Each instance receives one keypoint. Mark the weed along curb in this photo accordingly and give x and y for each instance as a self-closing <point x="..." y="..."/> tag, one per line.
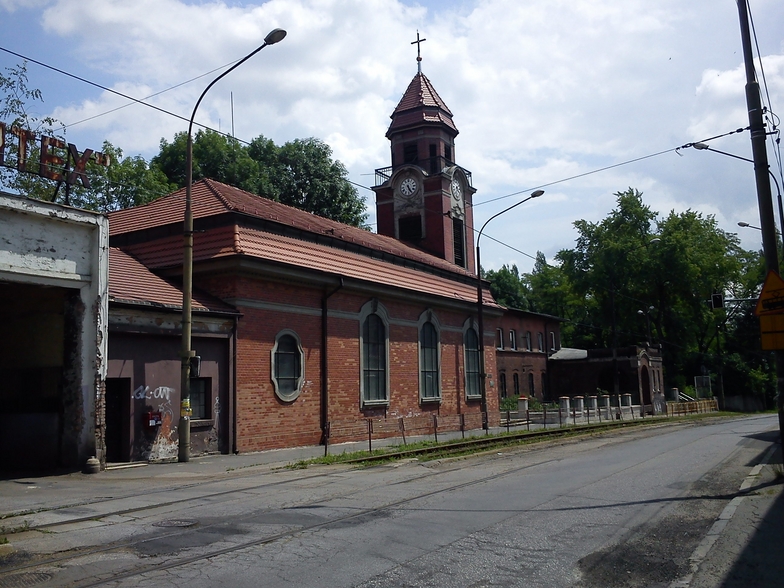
<point x="456" y="448"/>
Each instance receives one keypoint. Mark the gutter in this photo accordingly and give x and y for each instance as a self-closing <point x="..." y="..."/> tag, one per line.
<point x="325" y="367"/>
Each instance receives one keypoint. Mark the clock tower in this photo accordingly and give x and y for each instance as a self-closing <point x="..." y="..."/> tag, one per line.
<point x="424" y="198"/>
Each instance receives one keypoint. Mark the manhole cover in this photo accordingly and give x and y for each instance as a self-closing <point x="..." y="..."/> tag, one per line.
<point x="175" y="523"/>
<point x="26" y="579"/>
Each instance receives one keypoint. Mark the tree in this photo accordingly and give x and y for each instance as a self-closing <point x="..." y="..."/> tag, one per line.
<point x="125" y="182"/>
<point x="300" y="173"/>
<point x="507" y="287"/>
<point x="633" y="260"/>
<point x="18" y="105"/>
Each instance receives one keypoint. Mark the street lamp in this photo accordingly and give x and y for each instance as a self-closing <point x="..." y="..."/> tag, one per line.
<point x="706" y="147"/>
<point x="647" y="313"/>
<point x="480" y="308"/>
<point x="747" y="225"/>
<point x="186" y="353"/>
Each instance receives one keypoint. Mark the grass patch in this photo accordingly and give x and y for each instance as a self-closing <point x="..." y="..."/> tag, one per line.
<point x="4" y="541"/>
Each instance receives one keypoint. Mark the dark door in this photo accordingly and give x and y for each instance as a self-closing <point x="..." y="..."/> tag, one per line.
<point x="118" y="400"/>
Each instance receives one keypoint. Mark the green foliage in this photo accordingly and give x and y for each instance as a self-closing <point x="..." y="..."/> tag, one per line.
<point x="126" y="182"/>
<point x="300" y="173"/>
<point x="507" y="287"/>
<point x="633" y="260"/>
<point x="508" y="403"/>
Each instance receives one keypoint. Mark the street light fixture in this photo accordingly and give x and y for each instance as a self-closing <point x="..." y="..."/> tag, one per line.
<point x="186" y="353"/>
<point x="706" y="147"/>
<point x="647" y="313"/>
<point x="747" y="225"/>
<point x="480" y="309"/>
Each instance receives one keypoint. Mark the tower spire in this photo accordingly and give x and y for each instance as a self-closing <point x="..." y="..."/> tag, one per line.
<point x="418" y="43"/>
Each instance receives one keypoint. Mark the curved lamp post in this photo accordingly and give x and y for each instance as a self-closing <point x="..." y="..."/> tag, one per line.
<point x="480" y="309"/>
<point x="706" y="147"/>
<point x="186" y="353"/>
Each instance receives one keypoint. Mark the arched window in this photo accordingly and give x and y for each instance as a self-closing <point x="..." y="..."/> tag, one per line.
<point x="429" y="360"/>
<point x="374" y="382"/>
<point x="471" y="343"/>
<point x="516" y="378"/>
<point x="531" y="389"/>
<point x="502" y="384"/>
<point x="540" y="341"/>
<point x="528" y="341"/>
<point x="287" y="366"/>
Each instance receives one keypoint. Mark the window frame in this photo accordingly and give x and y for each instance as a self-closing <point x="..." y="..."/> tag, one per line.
<point x="499" y="340"/>
<point x="373" y="307"/>
<point x="429" y="318"/>
<point x="513" y="339"/>
<point x="287" y="397"/>
<point x="468" y="327"/>
<point x="540" y="341"/>
<point x="207" y="398"/>
<point x="528" y="341"/>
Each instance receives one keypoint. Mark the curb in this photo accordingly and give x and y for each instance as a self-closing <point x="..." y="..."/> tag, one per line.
<point x="703" y="549"/>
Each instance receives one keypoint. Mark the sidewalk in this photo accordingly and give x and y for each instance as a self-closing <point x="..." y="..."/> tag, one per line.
<point x="25" y="493"/>
<point x="748" y="539"/>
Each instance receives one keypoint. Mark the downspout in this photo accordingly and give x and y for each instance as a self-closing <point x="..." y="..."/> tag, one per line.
<point x="325" y="365"/>
<point x="233" y="408"/>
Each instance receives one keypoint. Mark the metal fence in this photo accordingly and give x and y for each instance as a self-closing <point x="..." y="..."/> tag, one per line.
<point x="429" y="426"/>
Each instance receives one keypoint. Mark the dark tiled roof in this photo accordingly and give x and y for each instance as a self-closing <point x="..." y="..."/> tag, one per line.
<point x="131" y="282"/>
<point x="420" y="104"/>
<point x="211" y="198"/>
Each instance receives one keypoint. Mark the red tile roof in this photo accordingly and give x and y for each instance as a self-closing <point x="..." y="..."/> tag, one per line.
<point x="132" y="283"/>
<point x="211" y="198"/>
<point x="420" y="104"/>
<point x="331" y="254"/>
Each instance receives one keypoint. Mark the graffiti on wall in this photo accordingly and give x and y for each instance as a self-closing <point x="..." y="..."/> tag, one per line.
<point x="147" y="393"/>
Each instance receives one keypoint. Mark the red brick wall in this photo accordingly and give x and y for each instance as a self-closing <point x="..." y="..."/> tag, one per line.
<point x="266" y="422"/>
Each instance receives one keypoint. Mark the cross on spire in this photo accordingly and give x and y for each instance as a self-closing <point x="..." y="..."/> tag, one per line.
<point x="418" y="43"/>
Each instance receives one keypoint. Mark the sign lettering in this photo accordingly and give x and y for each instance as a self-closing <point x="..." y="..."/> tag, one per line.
<point x="51" y="163"/>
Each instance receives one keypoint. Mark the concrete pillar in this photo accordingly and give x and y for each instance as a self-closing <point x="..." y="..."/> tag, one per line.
<point x="626" y="399"/>
<point x="604" y="403"/>
<point x="579" y="405"/>
<point x="522" y="406"/>
<point x="563" y="404"/>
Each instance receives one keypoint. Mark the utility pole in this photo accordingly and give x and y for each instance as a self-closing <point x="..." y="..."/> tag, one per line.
<point x="764" y="199"/>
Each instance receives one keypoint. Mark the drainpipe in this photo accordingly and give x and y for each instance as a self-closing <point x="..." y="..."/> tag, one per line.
<point x="325" y="364"/>
<point x="232" y="420"/>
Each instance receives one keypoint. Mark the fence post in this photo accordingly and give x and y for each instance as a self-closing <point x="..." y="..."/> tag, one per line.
<point x="544" y="418"/>
<point x="462" y="425"/>
<point x="370" y="435"/>
<point x="435" y="427"/>
<point x="508" y="418"/>
<point x="326" y="438"/>
<point x="528" y="419"/>
<point x="403" y="429"/>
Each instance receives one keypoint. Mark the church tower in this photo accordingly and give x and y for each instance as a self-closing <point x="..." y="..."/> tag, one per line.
<point x="424" y="198"/>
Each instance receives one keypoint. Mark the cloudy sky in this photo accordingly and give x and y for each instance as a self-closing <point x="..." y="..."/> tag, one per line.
<point x="541" y="90"/>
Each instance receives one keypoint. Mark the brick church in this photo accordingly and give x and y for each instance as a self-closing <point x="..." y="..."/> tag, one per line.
<point x="303" y="323"/>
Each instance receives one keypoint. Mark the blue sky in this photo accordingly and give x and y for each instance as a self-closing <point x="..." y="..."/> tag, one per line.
<point x="540" y="91"/>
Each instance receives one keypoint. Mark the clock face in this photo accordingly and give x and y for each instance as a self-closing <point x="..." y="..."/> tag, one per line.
<point x="457" y="190"/>
<point x="408" y="187"/>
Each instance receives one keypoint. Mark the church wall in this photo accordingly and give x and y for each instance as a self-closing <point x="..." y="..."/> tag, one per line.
<point x="264" y="421"/>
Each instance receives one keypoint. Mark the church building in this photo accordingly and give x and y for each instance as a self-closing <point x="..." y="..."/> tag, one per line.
<point x="305" y="326"/>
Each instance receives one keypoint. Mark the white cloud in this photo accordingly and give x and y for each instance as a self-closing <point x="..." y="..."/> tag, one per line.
<point x="540" y="91"/>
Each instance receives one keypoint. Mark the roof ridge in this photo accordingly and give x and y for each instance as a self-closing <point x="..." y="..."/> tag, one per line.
<point x="209" y="183"/>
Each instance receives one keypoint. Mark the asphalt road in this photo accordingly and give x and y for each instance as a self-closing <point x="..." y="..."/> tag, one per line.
<point x="622" y="509"/>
